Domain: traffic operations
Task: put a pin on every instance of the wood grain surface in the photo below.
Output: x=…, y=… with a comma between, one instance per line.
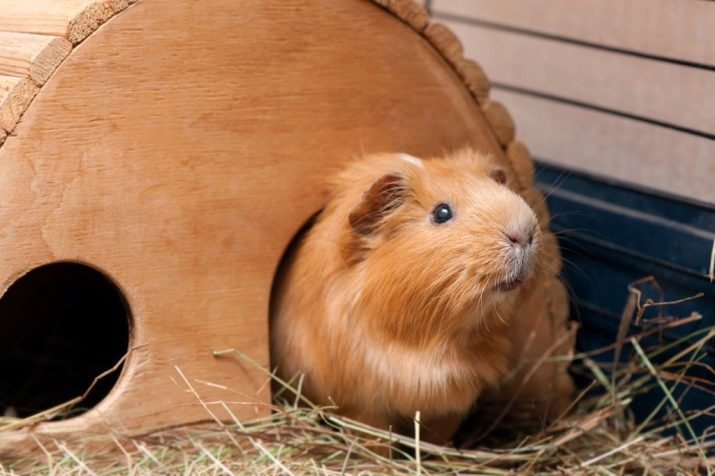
x=182, y=166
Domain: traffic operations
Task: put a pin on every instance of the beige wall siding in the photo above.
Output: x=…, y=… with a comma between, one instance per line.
x=613, y=146
x=653, y=89
x=595, y=87
x=681, y=29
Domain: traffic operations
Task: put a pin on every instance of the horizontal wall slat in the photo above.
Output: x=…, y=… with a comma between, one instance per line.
x=661, y=91
x=608, y=145
x=681, y=29
x=621, y=228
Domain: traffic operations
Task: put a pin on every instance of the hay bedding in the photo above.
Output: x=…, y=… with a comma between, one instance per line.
x=598, y=435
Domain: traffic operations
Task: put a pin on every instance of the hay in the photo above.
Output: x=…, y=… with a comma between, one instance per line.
x=599, y=435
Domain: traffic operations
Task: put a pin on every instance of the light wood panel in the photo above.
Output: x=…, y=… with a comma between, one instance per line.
x=179, y=154
x=604, y=144
x=33, y=56
x=670, y=93
x=681, y=29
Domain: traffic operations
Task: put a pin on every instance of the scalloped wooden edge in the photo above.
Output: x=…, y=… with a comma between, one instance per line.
x=521, y=161
x=411, y=13
x=445, y=41
x=475, y=79
x=15, y=96
x=92, y=17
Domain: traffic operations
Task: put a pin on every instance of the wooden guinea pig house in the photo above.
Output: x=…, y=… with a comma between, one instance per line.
x=159, y=156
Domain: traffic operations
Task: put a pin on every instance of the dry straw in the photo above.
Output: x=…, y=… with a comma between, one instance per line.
x=598, y=435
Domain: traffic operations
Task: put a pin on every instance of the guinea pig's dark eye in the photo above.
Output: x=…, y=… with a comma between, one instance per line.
x=441, y=213
x=498, y=176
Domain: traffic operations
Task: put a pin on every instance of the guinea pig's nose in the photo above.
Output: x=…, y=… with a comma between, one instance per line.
x=521, y=239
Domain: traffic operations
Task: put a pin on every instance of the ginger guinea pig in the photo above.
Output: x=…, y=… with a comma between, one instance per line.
x=399, y=297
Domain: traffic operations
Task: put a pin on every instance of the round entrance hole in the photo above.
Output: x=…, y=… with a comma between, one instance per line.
x=61, y=325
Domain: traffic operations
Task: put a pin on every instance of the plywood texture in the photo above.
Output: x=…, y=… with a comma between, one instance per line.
x=182, y=160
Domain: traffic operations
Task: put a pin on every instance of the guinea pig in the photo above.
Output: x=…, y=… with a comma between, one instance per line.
x=399, y=297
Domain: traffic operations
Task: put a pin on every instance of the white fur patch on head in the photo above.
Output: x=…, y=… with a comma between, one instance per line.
x=411, y=159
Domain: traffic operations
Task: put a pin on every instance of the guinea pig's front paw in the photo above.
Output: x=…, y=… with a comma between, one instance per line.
x=440, y=429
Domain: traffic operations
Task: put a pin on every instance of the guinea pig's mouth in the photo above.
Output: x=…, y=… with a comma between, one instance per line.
x=513, y=281
x=509, y=285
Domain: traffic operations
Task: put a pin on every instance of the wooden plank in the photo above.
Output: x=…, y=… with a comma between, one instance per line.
x=612, y=146
x=72, y=19
x=30, y=55
x=15, y=96
x=662, y=91
x=678, y=29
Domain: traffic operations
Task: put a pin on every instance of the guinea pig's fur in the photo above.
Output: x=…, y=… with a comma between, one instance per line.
x=386, y=311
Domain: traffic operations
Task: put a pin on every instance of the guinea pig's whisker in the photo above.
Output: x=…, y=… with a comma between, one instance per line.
x=573, y=265
x=572, y=295
x=558, y=183
x=496, y=311
x=569, y=213
x=568, y=231
x=575, y=251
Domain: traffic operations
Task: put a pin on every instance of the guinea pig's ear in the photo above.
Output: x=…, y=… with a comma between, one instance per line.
x=384, y=195
x=498, y=175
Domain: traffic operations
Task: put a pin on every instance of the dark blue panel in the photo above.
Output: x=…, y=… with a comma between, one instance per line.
x=612, y=235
